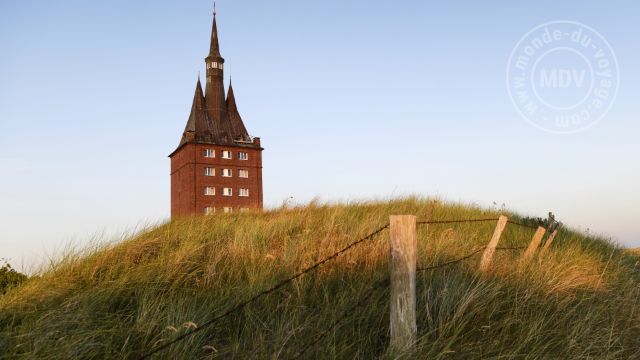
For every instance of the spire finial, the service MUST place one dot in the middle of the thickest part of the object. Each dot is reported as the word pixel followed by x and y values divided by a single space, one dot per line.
pixel 214 50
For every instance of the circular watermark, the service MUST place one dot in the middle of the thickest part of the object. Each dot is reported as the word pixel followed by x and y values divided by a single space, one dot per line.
pixel 563 77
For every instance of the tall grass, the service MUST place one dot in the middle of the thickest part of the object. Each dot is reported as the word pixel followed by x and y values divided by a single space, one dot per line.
pixel 121 300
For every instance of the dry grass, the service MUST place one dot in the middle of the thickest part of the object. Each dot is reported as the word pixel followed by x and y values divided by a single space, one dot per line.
pixel 117 301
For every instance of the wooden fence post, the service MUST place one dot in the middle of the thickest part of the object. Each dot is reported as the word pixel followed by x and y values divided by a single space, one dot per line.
pixel 547 244
pixel 487 255
pixel 533 245
pixel 402 265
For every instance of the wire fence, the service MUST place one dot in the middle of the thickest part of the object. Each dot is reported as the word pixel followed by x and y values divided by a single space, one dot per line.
pixel 345 314
pixel 454 221
pixel 265 292
pixel 522 224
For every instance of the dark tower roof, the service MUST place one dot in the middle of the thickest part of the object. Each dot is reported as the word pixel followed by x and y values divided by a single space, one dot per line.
pixel 214 49
pixel 214 119
pixel 239 132
pixel 198 127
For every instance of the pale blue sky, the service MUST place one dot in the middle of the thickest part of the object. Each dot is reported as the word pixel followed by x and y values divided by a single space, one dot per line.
pixel 352 100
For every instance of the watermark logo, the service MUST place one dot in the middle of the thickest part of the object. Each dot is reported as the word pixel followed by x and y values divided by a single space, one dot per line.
pixel 563 77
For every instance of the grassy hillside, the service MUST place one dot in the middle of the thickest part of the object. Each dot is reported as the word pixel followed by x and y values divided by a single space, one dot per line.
pixel 580 301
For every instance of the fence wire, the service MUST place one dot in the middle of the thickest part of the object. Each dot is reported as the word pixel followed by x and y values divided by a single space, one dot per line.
pixel 521 224
pixel 454 221
pixel 471 254
pixel 473 220
pixel 282 283
pixel 451 262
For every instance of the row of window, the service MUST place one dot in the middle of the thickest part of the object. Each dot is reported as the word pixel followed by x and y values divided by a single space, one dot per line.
pixel 226 154
pixel 226 191
pixel 209 171
pixel 215 65
pixel 209 210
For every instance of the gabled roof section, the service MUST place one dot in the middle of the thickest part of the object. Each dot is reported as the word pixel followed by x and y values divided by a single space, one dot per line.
pixel 238 130
pixel 198 125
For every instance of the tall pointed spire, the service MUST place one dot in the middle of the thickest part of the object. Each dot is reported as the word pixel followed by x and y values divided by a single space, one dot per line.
pixel 214 94
pixel 199 95
pixel 214 49
pixel 239 132
pixel 198 127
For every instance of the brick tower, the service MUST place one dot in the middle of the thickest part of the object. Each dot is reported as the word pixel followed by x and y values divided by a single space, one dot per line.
pixel 217 166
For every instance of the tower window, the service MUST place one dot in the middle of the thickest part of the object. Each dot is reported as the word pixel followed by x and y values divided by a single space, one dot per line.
pixel 243 173
pixel 227 191
pixel 243 192
pixel 209 210
pixel 226 154
pixel 210 190
pixel 243 155
pixel 209 153
pixel 227 172
pixel 209 171
pixel 228 209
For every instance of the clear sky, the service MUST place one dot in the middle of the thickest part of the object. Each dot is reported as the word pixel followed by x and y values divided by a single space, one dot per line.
pixel 352 100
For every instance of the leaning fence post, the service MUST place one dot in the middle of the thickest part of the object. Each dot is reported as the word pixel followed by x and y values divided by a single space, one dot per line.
pixel 533 245
pixel 402 265
pixel 547 244
pixel 487 255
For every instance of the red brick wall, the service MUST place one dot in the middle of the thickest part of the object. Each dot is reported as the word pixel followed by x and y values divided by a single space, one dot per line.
pixel 188 180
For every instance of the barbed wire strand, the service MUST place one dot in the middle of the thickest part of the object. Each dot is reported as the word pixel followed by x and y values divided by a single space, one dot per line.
pixel 452 261
pixel 473 220
pixel 343 316
pixel 454 221
pixel 512 248
pixel 263 293
pixel 467 257
pixel 521 224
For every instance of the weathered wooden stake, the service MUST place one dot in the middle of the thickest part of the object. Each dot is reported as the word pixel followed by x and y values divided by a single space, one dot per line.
pixel 487 255
pixel 533 245
pixel 402 265
pixel 547 244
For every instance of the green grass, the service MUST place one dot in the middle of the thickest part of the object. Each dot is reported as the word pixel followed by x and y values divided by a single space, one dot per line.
pixel 121 300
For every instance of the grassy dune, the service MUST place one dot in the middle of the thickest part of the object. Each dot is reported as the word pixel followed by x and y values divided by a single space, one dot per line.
pixel 119 301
